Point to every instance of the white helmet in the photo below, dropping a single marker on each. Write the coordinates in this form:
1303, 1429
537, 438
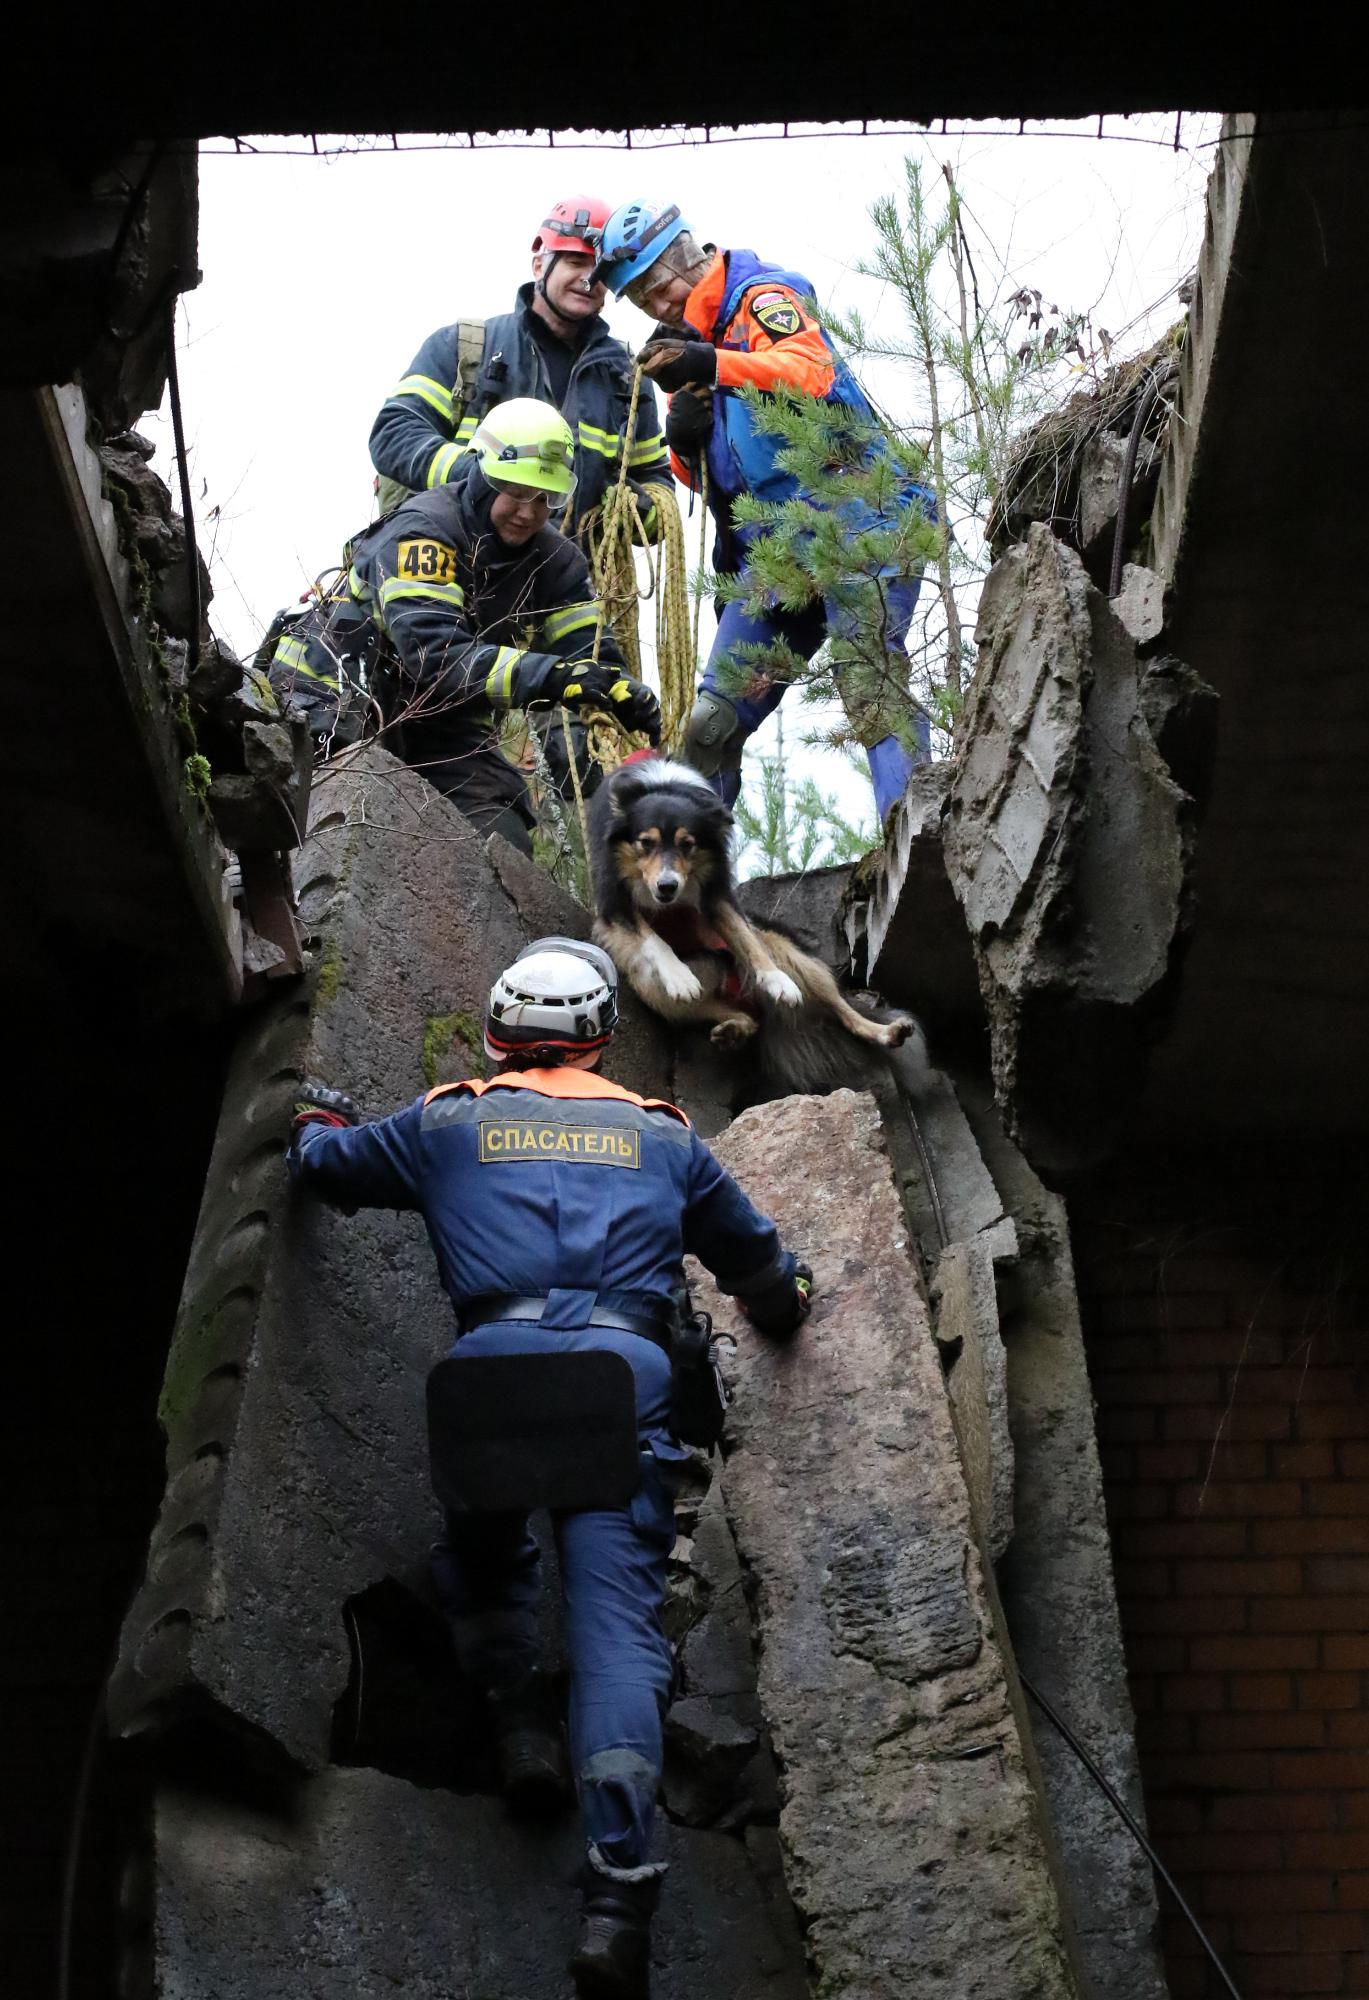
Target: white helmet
557, 1003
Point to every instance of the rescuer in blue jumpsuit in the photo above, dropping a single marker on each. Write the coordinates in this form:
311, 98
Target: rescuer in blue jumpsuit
727, 320
559, 1206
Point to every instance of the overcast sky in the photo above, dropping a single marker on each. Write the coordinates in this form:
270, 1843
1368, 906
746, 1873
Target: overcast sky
322, 276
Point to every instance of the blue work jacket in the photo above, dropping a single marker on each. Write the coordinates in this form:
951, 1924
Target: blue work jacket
555, 1182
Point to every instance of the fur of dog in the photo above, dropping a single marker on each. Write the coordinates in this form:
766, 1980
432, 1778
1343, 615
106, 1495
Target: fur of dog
668, 916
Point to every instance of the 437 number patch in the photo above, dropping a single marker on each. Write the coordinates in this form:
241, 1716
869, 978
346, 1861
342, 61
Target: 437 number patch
433, 561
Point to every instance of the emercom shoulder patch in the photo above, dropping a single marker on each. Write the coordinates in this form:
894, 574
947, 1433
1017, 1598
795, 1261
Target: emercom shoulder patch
434, 562
507, 1139
777, 313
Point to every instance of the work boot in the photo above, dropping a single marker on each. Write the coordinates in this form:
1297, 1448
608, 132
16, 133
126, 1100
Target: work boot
530, 1753
612, 1958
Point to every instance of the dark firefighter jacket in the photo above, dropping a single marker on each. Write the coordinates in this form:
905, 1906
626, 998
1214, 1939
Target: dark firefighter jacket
475, 627
428, 420
555, 1182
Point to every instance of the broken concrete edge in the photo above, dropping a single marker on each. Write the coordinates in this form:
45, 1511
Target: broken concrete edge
1225, 208
871, 896
207, 1363
976, 1367
64, 417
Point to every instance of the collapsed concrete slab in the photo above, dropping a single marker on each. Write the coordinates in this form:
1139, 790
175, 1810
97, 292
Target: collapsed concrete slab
1055, 1577
912, 1843
1068, 845
293, 1401
355, 1883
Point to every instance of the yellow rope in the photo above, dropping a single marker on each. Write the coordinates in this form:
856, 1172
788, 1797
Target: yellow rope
611, 537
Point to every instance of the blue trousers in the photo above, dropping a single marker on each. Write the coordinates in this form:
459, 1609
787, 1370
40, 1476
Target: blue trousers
613, 1577
891, 761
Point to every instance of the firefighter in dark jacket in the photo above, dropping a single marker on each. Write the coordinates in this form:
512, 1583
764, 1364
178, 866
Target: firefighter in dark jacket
481, 606
559, 1206
555, 346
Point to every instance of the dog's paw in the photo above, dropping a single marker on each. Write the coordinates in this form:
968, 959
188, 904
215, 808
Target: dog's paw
780, 988
678, 982
897, 1031
731, 1033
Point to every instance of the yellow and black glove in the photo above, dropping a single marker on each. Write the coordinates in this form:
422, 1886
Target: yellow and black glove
584, 684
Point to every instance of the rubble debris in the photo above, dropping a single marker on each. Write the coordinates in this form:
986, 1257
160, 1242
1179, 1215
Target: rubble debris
1140, 604
1066, 472
156, 533
259, 757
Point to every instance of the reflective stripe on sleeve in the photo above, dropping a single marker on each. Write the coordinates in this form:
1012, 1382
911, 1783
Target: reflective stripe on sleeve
499, 680
558, 625
427, 391
449, 594
440, 466
592, 438
291, 655
647, 450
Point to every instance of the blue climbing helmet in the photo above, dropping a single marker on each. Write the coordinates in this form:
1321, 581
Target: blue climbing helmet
634, 236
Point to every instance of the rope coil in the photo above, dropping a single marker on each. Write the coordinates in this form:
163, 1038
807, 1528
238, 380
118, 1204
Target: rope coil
612, 537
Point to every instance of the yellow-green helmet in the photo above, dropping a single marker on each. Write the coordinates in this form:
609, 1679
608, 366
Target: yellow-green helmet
524, 443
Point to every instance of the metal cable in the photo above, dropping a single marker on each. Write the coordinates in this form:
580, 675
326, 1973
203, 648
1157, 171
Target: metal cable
1136, 1832
192, 554
1138, 424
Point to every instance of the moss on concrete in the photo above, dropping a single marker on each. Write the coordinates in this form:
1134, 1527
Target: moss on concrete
328, 978
439, 1033
197, 1348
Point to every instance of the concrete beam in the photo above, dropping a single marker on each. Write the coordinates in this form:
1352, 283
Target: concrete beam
1256, 513
913, 1848
1067, 843
105, 835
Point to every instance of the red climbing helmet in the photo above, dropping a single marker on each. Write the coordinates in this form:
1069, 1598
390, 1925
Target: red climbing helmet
574, 224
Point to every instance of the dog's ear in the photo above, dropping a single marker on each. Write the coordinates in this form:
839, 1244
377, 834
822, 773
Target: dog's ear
626, 786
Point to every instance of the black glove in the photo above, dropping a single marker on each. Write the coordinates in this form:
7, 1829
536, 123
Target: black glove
672, 364
781, 1308
583, 684
689, 423
316, 1104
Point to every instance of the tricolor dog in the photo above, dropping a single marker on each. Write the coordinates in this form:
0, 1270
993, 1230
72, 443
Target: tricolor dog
668, 916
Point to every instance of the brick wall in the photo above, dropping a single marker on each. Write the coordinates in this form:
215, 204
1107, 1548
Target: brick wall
1225, 1330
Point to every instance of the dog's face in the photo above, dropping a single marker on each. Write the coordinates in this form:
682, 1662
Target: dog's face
669, 842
